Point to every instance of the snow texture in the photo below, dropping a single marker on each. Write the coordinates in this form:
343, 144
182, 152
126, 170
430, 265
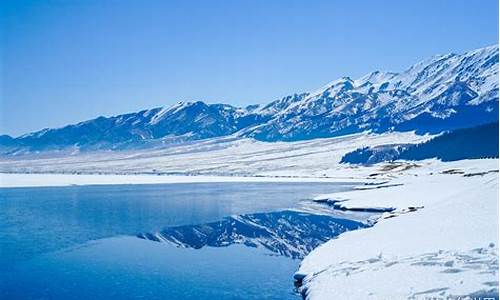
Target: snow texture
441, 239
215, 157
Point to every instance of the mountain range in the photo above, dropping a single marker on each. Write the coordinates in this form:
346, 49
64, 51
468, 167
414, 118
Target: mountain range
441, 93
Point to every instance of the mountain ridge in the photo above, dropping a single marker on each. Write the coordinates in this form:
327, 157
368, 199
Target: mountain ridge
439, 93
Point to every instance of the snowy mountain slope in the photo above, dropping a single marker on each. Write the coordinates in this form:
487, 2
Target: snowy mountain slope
182, 121
466, 143
443, 92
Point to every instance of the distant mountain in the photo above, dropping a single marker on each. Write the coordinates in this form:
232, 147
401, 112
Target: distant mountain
182, 121
441, 93
467, 143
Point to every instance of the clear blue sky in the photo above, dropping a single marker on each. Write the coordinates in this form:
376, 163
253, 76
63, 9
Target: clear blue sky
67, 61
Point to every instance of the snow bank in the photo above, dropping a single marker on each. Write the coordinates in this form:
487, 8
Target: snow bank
37, 180
449, 247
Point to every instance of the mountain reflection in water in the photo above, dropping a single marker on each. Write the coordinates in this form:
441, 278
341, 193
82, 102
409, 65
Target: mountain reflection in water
289, 233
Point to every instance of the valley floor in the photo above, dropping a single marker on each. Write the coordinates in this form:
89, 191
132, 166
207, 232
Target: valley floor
226, 156
212, 160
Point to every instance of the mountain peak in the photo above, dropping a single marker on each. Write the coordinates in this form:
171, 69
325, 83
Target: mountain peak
440, 93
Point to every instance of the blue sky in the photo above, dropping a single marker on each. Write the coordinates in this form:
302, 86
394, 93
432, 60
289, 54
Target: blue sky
67, 61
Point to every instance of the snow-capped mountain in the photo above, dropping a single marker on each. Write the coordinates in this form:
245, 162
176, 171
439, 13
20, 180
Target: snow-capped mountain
443, 92
446, 91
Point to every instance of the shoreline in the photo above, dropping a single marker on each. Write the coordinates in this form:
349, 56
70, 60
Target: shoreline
19, 180
442, 230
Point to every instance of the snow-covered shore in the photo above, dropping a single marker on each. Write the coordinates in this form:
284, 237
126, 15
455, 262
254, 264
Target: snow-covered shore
440, 241
39, 180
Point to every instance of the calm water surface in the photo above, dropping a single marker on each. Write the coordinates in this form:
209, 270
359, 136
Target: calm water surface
177, 241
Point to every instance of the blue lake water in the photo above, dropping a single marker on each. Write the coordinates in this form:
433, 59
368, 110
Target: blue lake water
177, 241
